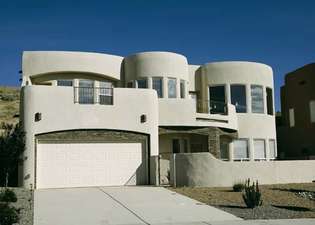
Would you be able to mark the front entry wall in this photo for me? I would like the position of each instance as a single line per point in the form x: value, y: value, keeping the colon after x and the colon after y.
x: 91, y: 158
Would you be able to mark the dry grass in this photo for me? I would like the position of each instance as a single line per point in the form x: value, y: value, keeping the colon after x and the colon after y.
x: 9, y: 104
x: 279, y: 201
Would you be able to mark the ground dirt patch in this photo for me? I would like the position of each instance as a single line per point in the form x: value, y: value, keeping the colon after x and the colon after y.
x: 281, y: 201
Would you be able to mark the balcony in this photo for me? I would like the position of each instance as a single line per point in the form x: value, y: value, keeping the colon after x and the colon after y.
x: 93, y: 95
x: 212, y: 107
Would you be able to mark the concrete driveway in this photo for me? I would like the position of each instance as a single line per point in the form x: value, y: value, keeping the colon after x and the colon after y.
x: 120, y: 205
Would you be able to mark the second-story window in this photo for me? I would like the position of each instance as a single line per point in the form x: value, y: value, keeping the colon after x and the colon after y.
x: 182, y: 89
x: 269, y: 101
x: 105, y: 93
x: 238, y: 97
x: 86, y: 92
x: 257, y: 99
x: 143, y: 83
x: 171, y: 87
x: 217, y: 99
x: 66, y: 83
x: 157, y: 85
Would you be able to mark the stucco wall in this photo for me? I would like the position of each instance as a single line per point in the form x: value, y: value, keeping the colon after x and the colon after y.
x: 202, y: 169
x: 59, y: 112
x: 37, y: 63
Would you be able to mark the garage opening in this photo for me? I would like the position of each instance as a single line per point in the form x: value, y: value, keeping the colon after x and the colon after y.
x: 91, y: 158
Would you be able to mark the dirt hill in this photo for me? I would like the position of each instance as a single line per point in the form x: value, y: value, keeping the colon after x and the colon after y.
x: 9, y: 104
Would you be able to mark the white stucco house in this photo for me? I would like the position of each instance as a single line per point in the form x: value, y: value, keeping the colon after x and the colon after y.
x: 95, y: 119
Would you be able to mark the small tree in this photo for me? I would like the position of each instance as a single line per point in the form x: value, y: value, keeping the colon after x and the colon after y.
x: 12, y: 145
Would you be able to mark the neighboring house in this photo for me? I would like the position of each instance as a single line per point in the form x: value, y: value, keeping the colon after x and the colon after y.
x: 296, y: 134
x: 95, y: 119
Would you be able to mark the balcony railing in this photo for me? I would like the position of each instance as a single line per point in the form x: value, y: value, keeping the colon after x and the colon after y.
x: 93, y: 95
x: 212, y: 107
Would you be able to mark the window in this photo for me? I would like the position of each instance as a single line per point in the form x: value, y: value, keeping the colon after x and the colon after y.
x: 241, y: 149
x: 257, y: 99
x: 176, y: 146
x: 269, y: 101
x: 86, y: 92
x: 157, y: 85
x: 259, y: 149
x: 224, y: 148
x: 217, y: 99
x: 106, y: 93
x: 272, y: 149
x: 66, y: 83
x: 142, y: 83
x: 238, y: 97
x: 291, y: 117
x: 312, y: 111
x: 182, y: 89
x: 171, y: 84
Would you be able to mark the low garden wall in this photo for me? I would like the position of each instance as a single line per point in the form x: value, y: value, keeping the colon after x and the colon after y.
x: 202, y: 169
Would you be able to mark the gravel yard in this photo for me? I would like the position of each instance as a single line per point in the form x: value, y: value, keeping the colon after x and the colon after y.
x: 24, y: 204
x: 283, y: 201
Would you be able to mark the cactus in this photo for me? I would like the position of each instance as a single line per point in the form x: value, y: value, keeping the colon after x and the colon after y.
x: 252, y: 195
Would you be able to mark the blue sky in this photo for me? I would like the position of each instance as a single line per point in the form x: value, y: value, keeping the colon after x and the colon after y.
x: 278, y: 33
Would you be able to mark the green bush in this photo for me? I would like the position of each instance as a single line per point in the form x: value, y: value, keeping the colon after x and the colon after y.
x: 8, y: 214
x: 238, y: 187
x: 7, y: 195
x: 252, y: 195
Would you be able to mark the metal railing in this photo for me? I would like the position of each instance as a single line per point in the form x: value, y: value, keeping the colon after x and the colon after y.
x: 93, y: 95
x: 212, y: 107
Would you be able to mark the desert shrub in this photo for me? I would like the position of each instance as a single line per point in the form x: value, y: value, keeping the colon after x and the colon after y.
x: 238, y: 187
x: 12, y: 144
x: 252, y: 194
x: 8, y: 214
x: 7, y: 195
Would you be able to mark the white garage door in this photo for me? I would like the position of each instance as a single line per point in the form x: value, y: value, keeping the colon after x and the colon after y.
x: 94, y: 164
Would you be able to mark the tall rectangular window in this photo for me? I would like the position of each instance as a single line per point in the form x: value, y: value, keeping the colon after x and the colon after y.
x: 259, y: 149
x: 86, y: 92
x: 272, y: 149
x: 291, y: 117
x: 217, y: 99
x: 171, y: 84
x: 182, y: 89
x: 257, y: 99
x: 143, y: 83
x: 66, y: 83
x: 106, y: 93
x: 157, y: 84
x: 238, y: 97
x: 241, y: 149
x: 269, y: 101
x: 312, y: 111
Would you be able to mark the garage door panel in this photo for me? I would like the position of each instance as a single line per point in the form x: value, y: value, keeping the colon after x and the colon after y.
x: 94, y: 164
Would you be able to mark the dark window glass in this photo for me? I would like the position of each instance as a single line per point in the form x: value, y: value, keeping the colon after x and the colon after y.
x: 157, y: 85
x: 86, y: 92
x: 182, y: 89
x: 238, y: 97
x: 142, y: 83
x: 217, y: 99
x: 67, y: 83
x: 269, y: 101
x: 106, y: 93
x: 176, y: 146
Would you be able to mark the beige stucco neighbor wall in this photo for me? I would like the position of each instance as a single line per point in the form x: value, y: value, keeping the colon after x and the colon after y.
x: 202, y: 169
x: 60, y: 113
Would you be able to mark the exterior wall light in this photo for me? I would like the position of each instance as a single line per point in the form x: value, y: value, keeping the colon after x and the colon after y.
x: 38, y: 117
x: 143, y: 118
